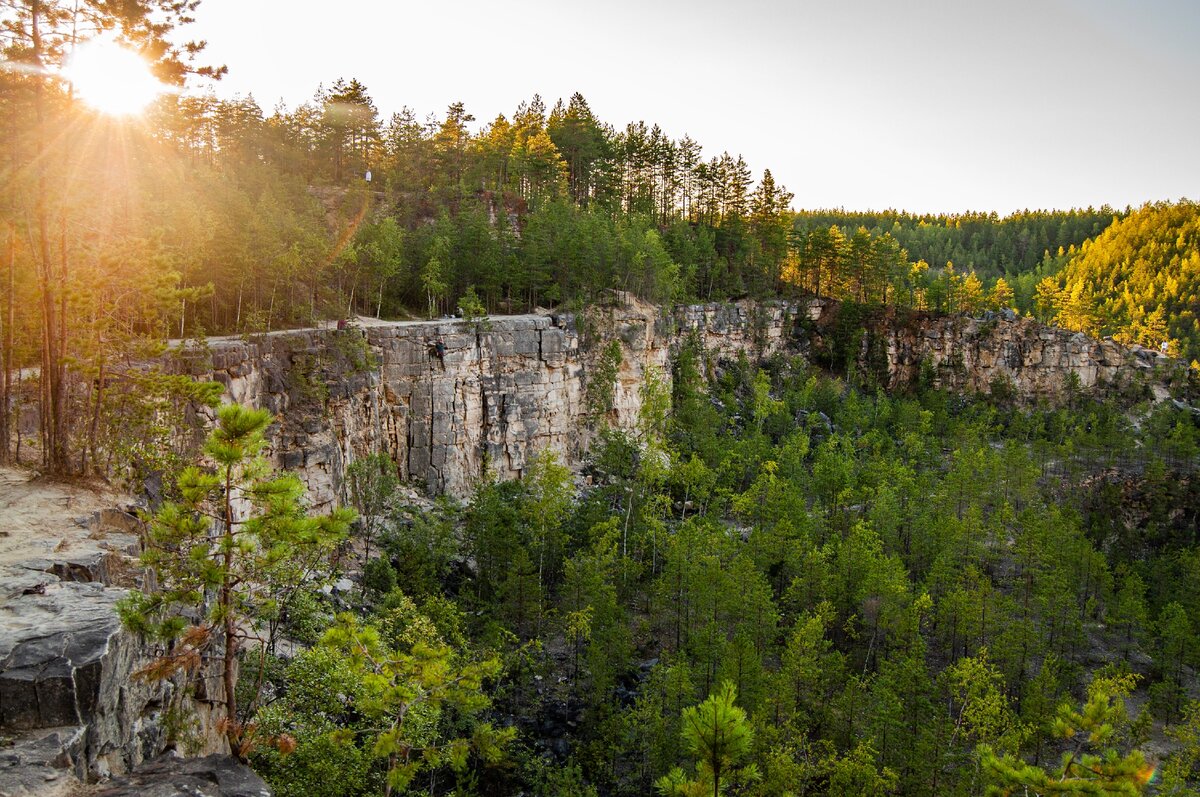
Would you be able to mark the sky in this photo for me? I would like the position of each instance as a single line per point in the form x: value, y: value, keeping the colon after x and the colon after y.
x: 927, y: 106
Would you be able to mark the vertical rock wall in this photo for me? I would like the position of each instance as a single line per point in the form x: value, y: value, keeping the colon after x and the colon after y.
x: 1029, y: 360
x: 514, y: 385
x: 504, y: 388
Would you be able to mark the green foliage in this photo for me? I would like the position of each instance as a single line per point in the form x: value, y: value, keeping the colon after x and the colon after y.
x: 368, y: 709
x: 306, y: 615
x: 1092, y: 764
x: 309, y: 756
x: 983, y: 715
x: 403, y: 690
x: 1175, y: 649
x: 372, y: 483
x: 718, y: 735
x: 421, y: 548
x: 1136, y: 279
x: 984, y: 242
x: 470, y: 306
x: 352, y: 352
x: 1181, y: 771
x: 1001, y: 389
x: 433, y: 274
x: 547, y: 498
x: 856, y: 775
x: 222, y: 570
x: 307, y: 382
x: 602, y: 383
x: 379, y: 577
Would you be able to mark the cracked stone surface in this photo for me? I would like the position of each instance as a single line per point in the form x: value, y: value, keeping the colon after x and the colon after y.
x: 515, y: 385
x: 167, y: 776
x: 968, y: 355
x: 69, y: 702
x: 503, y: 390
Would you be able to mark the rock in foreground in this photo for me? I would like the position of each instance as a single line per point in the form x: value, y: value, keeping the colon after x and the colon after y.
x: 211, y: 776
x: 71, y: 708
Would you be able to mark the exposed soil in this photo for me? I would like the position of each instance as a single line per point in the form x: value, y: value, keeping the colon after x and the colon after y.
x: 45, y: 519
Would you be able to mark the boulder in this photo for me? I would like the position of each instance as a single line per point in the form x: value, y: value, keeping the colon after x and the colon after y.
x: 40, y: 764
x: 71, y: 704
x: 169, y: 776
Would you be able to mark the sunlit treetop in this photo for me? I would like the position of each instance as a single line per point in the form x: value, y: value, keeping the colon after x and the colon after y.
x: 48, y: 35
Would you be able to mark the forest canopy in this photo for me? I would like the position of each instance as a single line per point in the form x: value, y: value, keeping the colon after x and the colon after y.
x: 776, y: 580
x: 209, y: 215
x: 1138, y: 281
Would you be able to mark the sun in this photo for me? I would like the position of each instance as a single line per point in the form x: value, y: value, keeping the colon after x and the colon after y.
x: 111, y: 78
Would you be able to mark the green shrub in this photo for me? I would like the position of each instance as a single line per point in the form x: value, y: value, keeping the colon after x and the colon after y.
x: 379, y: 577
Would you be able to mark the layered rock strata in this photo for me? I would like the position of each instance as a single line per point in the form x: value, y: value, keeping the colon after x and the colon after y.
x: 510, y: 386
x: 501, y: 390
x: 71, y: 707
x: 1035, y: 361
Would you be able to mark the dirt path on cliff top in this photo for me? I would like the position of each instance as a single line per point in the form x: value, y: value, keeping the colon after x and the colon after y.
x: 361, y: 322
x: 39, y: 516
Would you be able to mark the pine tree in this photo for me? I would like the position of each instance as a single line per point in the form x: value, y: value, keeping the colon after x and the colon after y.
x: 372, y: 484
x: 352, y: 127
x: 718, y: 734
x: 217, y: 551
x: 433, y: 273
x: 404, y: 688
x: 547, y: 498
x: 1092, y: 763
x: 1001, y: 296
x: 970, y: 294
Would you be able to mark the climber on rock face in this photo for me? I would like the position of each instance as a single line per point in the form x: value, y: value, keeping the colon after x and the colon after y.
x: 438, y: 349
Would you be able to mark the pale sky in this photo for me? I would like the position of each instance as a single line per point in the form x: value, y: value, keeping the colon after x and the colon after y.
x: 933, y: 105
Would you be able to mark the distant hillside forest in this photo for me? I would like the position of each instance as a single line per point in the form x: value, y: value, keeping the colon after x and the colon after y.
x: 1139, y: 281
x: 256, y: 220
x: 987, y: 243
x: 1132, y: 275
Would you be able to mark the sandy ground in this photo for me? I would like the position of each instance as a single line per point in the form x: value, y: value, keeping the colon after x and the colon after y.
x: 40, y: 517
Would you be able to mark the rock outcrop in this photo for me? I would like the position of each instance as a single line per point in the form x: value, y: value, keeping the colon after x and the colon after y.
x: 167, y: 776
x: 501, y: 390
x: 1001, y: 351
x: 70, y: 707
x: 507, y: 387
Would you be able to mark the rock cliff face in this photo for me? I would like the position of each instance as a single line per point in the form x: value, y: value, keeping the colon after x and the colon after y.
x: 514, y: 385
x: 502, y: 389
x: 69, y: 702
x: 1029, y: 360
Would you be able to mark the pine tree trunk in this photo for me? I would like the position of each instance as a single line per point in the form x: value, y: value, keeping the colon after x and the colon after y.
x: 229, y: 676
x: 6, y: 350
x: 61, y: 417
x: 47, y: 375
x: 93, y: 432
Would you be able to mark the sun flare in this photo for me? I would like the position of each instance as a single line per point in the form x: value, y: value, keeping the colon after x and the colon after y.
x: 111, y: 78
